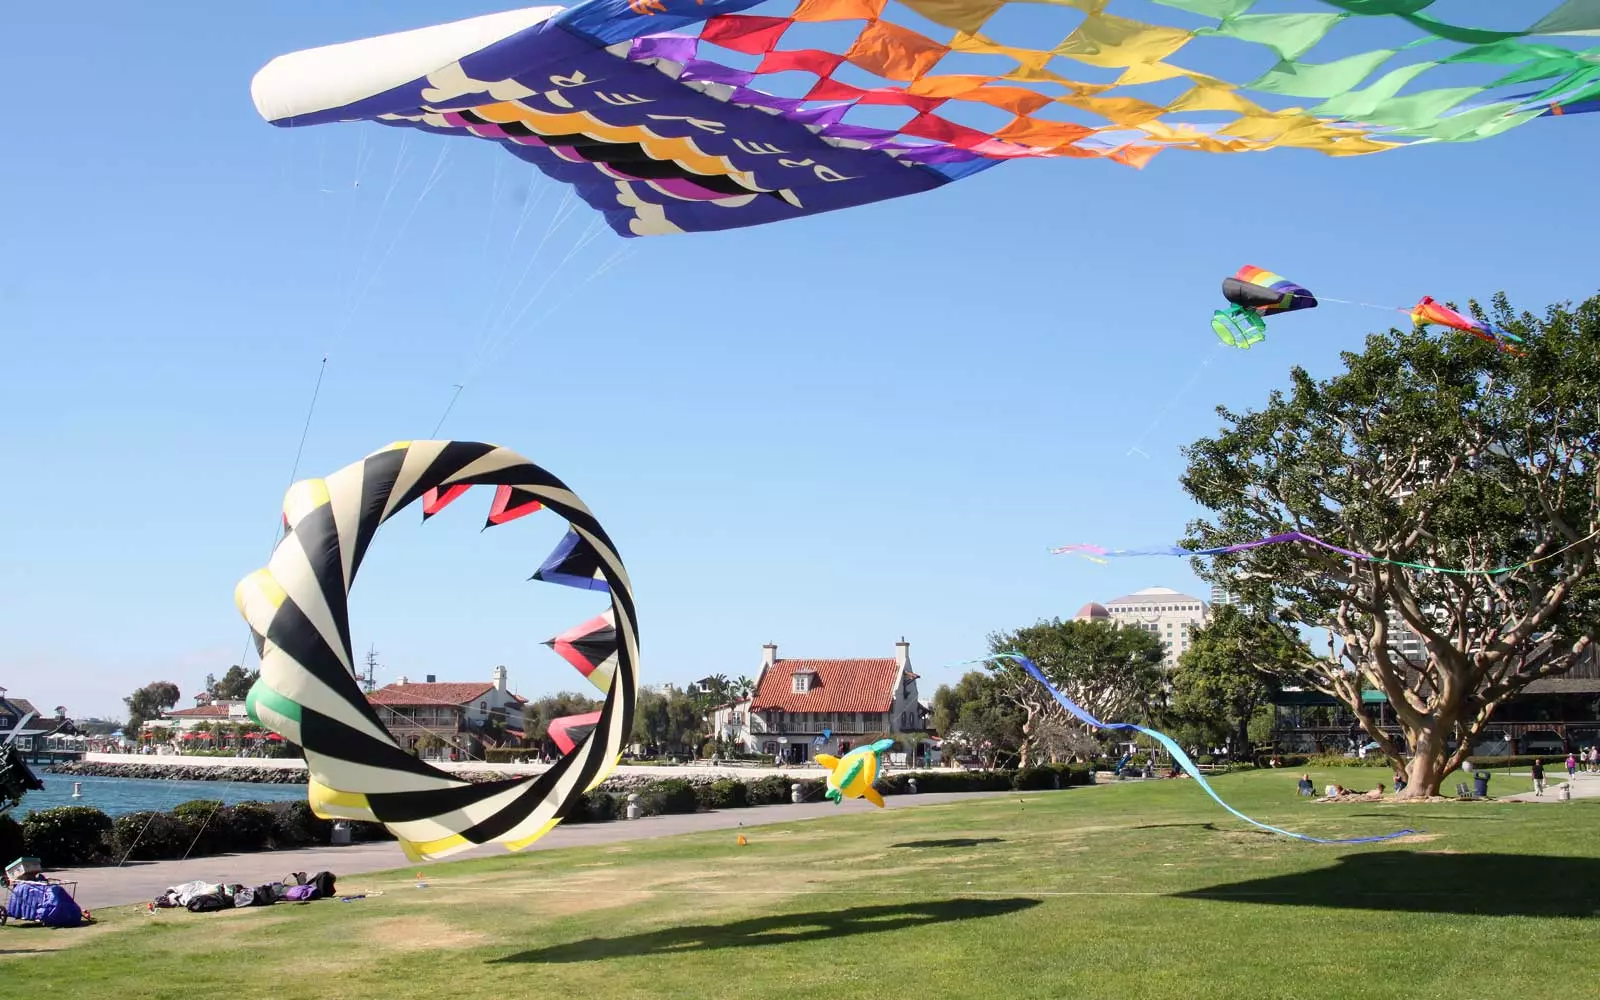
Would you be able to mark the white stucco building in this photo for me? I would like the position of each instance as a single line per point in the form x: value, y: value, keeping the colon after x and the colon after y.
x: 1166, y: 613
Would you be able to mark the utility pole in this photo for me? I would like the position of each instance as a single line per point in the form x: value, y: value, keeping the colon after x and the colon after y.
x: 368, y: 680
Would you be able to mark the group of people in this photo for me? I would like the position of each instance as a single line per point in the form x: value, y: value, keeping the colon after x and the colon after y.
x: 1588, y: 758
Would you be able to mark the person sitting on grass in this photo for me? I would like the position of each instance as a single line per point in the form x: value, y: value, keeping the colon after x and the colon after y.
x: 1306, y: 787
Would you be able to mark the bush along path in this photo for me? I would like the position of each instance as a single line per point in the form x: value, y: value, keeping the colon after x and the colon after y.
x: 78, y: 836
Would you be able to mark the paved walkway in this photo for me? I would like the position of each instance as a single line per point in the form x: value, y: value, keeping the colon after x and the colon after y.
x: 1584, y: 786
x: 139, y: 881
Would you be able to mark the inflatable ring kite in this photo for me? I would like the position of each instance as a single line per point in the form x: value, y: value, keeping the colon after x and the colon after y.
x: 297, y: 608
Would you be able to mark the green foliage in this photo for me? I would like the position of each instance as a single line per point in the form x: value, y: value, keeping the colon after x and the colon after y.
x: 148, y: 703
x: 724, y: 794
x: 1050, y: 776
x: 976, y: 717
x: 234, y: 685
x: 249, y: 826
x: 154, y: 836
x: 1434, y: 450
x: 1114, y: 673
x: 767, y: 791
x: 537, y: 715
x: 668, y: 721
x: 668, y: 796
x: 295, y: 825
x: 65, y: 836
x: 1231, y: 670
x: 208, y: 821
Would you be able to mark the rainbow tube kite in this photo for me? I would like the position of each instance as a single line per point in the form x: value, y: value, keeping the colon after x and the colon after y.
x: 675, y: 116
x: 1255, y: 294
x: 1178, y: 755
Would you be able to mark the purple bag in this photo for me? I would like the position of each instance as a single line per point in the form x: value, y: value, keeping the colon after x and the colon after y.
x: 300, y: 893
x: 45, y: 902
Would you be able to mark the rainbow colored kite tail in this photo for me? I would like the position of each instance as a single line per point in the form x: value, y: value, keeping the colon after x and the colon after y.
x: 1178, y: 755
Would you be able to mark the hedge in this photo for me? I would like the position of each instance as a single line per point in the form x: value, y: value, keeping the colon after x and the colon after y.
x: 70, y: 836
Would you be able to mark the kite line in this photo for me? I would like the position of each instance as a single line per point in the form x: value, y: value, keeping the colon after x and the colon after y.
x: 1096, y: 553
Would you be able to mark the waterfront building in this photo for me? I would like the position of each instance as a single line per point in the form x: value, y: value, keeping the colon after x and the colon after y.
x: 464, y: 717
x: 803, y: 707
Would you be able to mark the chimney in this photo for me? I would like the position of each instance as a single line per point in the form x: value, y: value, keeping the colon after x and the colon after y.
x: 769, y: 655
x: 902, y: 655
x: 500, y: 679
x: 432, y: 679
x: 403, y: 679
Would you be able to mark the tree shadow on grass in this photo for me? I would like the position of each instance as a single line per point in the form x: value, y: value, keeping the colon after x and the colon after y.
x: 951, y: 842
x: 1502, y: 885
x: 788, y: 928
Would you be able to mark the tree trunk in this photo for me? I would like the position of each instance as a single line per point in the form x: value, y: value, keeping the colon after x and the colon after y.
x: 1429, y: 755
x: 1245, y: 753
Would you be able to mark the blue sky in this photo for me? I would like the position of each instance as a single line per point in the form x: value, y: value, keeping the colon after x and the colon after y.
x: 827, y: 433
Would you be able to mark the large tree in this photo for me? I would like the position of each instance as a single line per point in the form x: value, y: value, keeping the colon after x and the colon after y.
x: 1112, y: 672
x: 148, y: 703
x: 234, y: 685
x: 975, y: 716
x: 1234, y: 665
x: 537, y: 715
x: 1431, y: 450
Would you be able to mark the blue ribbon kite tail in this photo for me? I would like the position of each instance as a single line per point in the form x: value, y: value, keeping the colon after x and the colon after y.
x: 1177, y: 755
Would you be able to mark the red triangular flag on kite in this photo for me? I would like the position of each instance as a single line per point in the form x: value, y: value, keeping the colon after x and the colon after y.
x: 511, y: 503
x: 435, y: 499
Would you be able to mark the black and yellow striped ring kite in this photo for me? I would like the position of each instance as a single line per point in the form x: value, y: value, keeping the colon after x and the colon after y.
x: 297, y: 608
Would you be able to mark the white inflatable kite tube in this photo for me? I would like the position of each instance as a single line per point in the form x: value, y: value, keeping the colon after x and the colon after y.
x: 334, y: 76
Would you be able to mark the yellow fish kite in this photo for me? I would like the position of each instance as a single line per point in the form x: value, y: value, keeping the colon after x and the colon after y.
x: 851, y: 777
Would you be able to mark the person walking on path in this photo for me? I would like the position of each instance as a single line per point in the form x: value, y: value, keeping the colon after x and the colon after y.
x: 1572, y: 766
x: 1538, y: 776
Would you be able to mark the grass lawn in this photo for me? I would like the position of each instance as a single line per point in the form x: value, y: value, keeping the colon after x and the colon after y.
x: 1132, y: 891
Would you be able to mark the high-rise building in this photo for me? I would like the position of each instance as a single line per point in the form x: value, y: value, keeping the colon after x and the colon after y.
x: 1167, y: 613
x: 1220, y: 594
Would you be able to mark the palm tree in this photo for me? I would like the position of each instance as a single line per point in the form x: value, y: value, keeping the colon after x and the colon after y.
x: 743, y: 688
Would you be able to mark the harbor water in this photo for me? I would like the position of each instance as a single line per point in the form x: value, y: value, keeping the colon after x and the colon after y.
x: 115, y: 796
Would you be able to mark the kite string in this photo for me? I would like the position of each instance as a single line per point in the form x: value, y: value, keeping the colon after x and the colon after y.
x: 1175, y: 398
x: 1092, y: 552
x: 1177, y: 753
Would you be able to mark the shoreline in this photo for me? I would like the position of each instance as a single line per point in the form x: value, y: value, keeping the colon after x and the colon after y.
x: 290, y: 771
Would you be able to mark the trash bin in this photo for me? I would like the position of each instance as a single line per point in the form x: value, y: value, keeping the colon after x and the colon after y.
x: 1480, y: 783
x: 341, y: 833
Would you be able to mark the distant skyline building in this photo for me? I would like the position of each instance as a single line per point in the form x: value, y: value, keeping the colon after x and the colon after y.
x: 1166, y: 613
x: 1220, y: 594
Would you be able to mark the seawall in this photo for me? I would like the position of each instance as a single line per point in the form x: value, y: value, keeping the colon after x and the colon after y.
x: 267, y: 770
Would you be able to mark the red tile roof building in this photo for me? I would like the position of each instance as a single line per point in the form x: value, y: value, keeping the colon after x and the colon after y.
x: 465, y: 715
x: 805, y: 706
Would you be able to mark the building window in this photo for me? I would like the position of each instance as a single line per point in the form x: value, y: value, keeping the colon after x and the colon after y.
x: 483, y: 706
x: 801, y: 683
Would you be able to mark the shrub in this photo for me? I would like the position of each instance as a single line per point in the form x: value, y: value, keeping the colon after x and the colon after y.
x: 248, y: 826
x: 602, y: 806
x: 295, y: 825
x: 668, y: 796
x: 66, y: 836
x: 768, y: 791
x: 724, y: 794
x: 154, y: 836
x: 207, y: 820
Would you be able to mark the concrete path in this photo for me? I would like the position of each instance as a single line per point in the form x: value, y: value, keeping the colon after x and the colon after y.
x: 141, y: 881
x: 1584, y: 786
